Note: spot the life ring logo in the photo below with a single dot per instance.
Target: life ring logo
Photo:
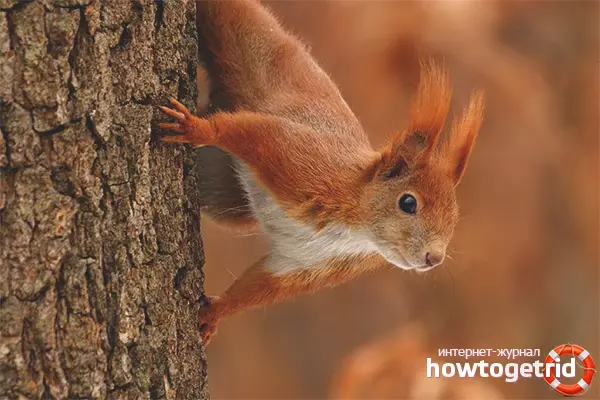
(585, 361)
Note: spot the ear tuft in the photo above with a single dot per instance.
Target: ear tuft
(428, 110)
(429, 107)
(463, 133)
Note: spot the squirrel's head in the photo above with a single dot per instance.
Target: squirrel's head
(410, 200)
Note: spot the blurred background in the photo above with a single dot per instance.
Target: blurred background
(525, 261)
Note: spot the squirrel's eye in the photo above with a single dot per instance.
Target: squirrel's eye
(408, 204)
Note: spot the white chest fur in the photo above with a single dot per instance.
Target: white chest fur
(295, 245)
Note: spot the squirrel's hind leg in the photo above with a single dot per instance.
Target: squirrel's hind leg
(223, 198)
(260, 285)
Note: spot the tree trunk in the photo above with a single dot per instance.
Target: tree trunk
(100, 248)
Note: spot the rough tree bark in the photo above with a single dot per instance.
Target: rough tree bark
(100, 249)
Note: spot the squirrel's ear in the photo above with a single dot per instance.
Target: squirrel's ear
(463, 134)
(390, 165)
(428, 110)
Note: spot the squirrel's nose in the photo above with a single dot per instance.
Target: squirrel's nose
(434, 258)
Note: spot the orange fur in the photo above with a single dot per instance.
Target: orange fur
(428, 111)
(463, 134)
(430, 105)
(284, 119)
(283, 154)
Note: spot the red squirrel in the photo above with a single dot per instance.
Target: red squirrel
(331, 206)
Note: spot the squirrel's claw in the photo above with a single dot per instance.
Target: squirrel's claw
(190, 129)
(172, 113)
(175, 139)
(174, 127)
(209, 319)
(206, 332)
(181, 108)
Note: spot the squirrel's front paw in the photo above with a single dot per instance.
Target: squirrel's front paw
(189, 128)
(209, 318)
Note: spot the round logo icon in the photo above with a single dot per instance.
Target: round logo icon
(589, 369)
